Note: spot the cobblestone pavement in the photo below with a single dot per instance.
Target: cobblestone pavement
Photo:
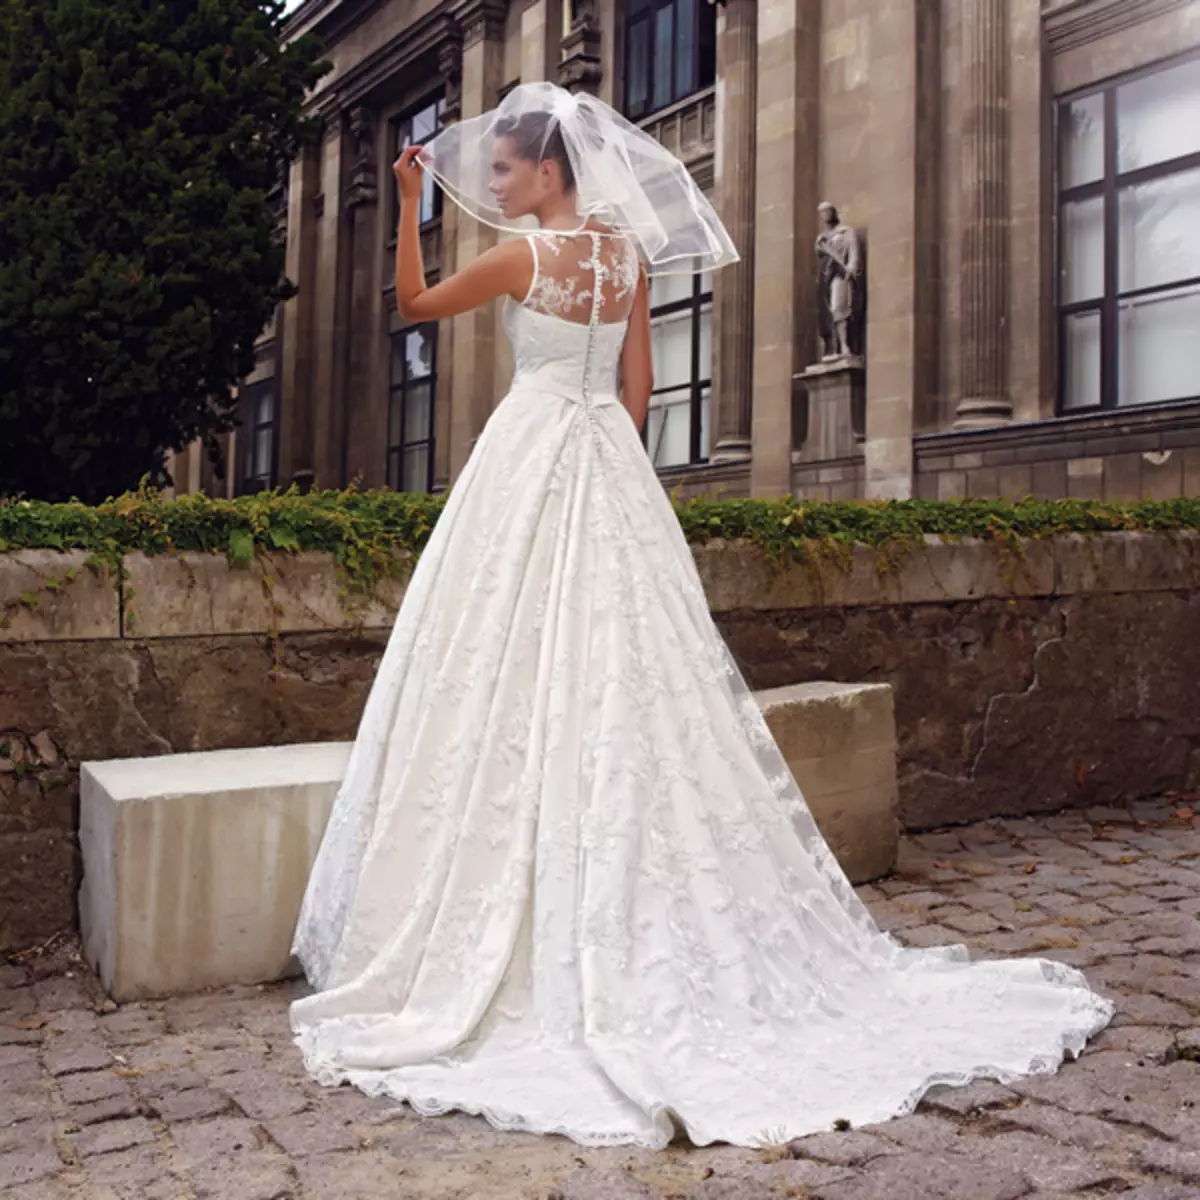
(204, 1096)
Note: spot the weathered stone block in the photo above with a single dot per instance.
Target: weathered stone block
(67, 597)
(195, 864)
(840, 742)
(189, 595)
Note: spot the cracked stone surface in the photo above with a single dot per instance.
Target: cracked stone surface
(199, 1097)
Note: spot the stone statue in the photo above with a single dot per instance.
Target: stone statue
(841, 287)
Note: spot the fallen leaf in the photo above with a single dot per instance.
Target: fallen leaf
(943, 865)
(1081, 775)
(1030, 868)
(1126, 859)
(29, 1023)
(1024, 908)
(1184, 813)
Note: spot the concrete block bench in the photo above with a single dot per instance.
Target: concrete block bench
(195, 864)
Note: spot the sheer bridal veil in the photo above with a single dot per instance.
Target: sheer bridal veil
(624, 179)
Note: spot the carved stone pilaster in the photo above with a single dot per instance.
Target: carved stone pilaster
(364, 179)
(581, 69)
(450, 68)
(737, 61)
(984, 341)
(481, 20)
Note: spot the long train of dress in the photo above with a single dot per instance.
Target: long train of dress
(569, 882)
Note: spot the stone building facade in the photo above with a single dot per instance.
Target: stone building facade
(1024, 176)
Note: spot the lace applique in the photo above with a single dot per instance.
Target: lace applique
(557, 297)
(565, 284)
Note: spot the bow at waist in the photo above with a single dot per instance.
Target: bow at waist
(551, 382)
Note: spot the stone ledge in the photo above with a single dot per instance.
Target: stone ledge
(88, 608)
(738, 577)
(201, 595)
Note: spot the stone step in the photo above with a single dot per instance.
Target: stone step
(195, 864)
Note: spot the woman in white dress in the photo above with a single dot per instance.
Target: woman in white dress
(569, 882)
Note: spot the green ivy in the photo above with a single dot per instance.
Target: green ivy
(377, 535)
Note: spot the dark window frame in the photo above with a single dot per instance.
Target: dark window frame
(695, 304)
(640, 24)
(400, 129)
(398, 390)
(1109, 188)
(248, 480)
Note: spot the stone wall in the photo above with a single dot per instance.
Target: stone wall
(1122, 455)
(1069, 676)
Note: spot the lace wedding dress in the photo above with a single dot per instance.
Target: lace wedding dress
(569, 882)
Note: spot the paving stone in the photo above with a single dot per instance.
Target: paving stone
(10, 1035)
(310, 1133)
(849, 1149)
(248, 1176)
(112, 1108)
(1172, 1160)
(1089, 1133)
(974, 1097)
(113, 1135)
(190, 1105)
(1150, 1010)
(173, 1079)
(757, 1180)
(365, 1175)
(132, 1027)
(1146, 1042)
(137, 1172)
(53, 1187)
(261, 1094)
(159, 1055)
(201, 1141)
(91, 1086)
(72, 1020)
(592, 1184)
(13, 1058)
(25, 1166)
(27, 1135)
(67, 1057)
(62, 991)
(1046, 1164)
(1160, 1191)
(23, 1100)
(925, 1177)
(921, 1132)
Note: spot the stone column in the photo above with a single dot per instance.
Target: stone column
(330, 318)
(364, 421)
(787, 129)
(297, 442)
(541, 39)
(983, 348)
(474, 333)
(733, 287)
(1031, 386)
(450, 69)
(902, 233)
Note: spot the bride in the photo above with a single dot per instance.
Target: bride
(569, 882)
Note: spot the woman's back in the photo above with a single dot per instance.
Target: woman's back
(568, 333)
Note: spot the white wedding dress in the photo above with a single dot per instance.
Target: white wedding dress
(569, 882)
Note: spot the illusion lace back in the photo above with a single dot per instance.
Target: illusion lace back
(569, 882)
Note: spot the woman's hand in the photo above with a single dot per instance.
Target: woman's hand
(409, 173)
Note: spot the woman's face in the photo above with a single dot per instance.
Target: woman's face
(518, 184)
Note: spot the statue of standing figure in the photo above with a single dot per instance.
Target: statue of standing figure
(841, 287)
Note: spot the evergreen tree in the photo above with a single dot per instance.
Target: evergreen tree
(139, 258)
